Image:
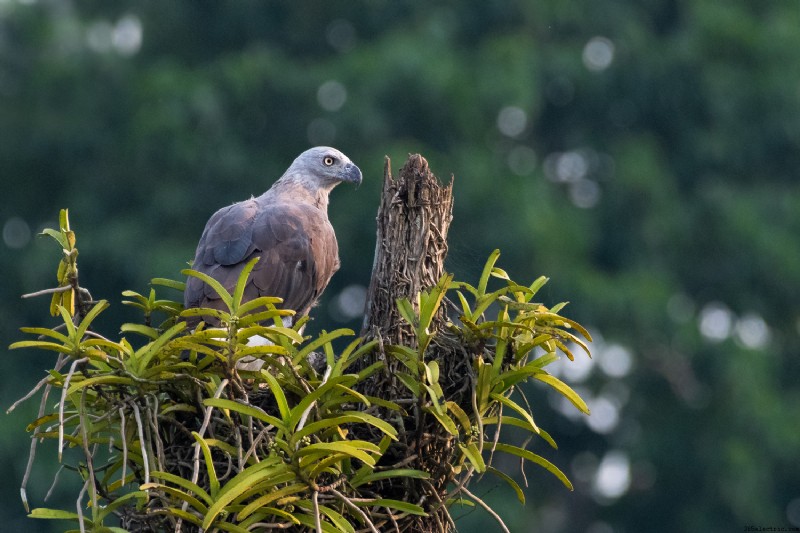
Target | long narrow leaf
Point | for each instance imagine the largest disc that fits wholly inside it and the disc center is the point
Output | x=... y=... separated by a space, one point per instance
x=299 y=409
x=270 y=497
x=322 y=339
x=508 y=402
x=214 y=284
x=241 y=282
x=177 y=493
x=473 y=455
x=565 y=390
x=277 y=393
x=98 y=308
x=532 y=457
x=510 y=481
x=248 y=410
x=213 y=482
x=352 y=448
x=487 y=271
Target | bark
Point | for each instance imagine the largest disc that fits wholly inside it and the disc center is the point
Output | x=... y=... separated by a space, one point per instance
x=412 y=223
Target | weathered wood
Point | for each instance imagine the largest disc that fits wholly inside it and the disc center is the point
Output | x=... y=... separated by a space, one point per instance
x=412 y=223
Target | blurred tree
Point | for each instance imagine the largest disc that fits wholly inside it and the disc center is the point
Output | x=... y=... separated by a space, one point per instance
x=642 y=154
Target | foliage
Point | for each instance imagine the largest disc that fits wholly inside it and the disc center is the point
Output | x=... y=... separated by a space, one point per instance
x=173 y=431
x=652 y=192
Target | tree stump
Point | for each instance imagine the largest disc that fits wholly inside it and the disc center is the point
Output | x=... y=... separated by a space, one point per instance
x=412 y=223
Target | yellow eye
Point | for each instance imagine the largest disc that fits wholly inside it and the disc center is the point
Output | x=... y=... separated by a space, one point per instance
x=328 y=161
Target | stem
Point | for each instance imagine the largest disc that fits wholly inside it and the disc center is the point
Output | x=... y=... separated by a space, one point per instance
x=486 y=508
x=42 y=292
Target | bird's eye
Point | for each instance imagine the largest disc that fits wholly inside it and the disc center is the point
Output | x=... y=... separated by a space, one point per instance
x=328 y=161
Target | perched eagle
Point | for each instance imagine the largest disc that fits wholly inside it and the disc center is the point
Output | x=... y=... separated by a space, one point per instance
x=287 y=227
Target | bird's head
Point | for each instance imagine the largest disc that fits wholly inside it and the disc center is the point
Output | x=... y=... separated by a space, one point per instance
x=324 y=167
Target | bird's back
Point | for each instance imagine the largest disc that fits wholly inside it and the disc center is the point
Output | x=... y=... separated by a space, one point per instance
x=294 y=241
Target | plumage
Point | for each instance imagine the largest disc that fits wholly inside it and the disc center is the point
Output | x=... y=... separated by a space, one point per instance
x=287 y=227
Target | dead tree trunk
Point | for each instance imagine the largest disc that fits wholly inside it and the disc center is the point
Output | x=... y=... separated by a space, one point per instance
x=413 y=219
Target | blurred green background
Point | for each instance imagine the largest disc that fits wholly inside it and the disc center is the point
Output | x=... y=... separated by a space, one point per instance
x=642 y=154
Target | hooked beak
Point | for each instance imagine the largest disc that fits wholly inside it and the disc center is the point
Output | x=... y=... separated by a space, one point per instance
x=352 y=174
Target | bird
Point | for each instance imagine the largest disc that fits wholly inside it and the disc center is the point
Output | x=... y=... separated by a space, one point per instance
x=287 y=228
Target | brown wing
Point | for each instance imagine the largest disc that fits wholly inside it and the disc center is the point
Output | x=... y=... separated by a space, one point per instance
x=296 y=245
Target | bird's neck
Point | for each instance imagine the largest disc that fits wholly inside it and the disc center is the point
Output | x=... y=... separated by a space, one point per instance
x=303 y=192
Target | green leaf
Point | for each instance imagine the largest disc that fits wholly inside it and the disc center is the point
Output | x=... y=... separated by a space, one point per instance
x=224 y=295
x=460 y=415
x=248 y=410
x=319 y=341
x=564 y=390
x=184 y=484
x=98 y=308
x=270 y=497
x=177 y=493
x=432 y=372
x=239 y=485
x=185 y=515
x=353 y=448
x=116 y=504
x=538 y=284
x=58 y=236
x=141 y=329
x=277 y=393
x=406 y=311
x=241 y=282
x=346 y=359
x=405 y=355
x=508 y=402
x=484 y=385
x=532 y=457
x=387 y=474
x=473 y=455
x=405 y=507
x=518 y=422
x=508 y=479
x=170 y=283
x=409 y=381
x=46 y=332
x=483 y=303
x=446 y=422
x=42 y=345
x=299 y=409
x=309 y=521
x=339 y=521
x=346 y=417
x=147 y=352
x=487 y=271
x=465 y=307
x=99 y=380
x=212 y=473
x=500 y=274
x=432 y=301
x=269 y=511
x=508 y=379
x=57 y=514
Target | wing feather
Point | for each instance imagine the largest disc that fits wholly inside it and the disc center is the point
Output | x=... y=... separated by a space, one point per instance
x=296 y=245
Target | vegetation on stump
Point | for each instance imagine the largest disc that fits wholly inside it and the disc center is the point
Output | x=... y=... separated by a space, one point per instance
x=383 y=432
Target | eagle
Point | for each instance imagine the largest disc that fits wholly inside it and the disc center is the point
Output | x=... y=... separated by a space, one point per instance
x=287 y=228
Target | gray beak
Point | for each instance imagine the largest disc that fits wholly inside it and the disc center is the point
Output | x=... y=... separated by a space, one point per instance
x=352 y=174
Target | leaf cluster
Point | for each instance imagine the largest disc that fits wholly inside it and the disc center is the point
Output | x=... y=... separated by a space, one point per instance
x=171 y=430
x=515 y=345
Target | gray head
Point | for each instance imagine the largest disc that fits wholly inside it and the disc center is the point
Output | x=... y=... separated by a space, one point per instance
x=322 y=167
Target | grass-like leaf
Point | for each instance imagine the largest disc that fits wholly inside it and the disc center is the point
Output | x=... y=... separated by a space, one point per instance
x=532 y=457
x=565 y=390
